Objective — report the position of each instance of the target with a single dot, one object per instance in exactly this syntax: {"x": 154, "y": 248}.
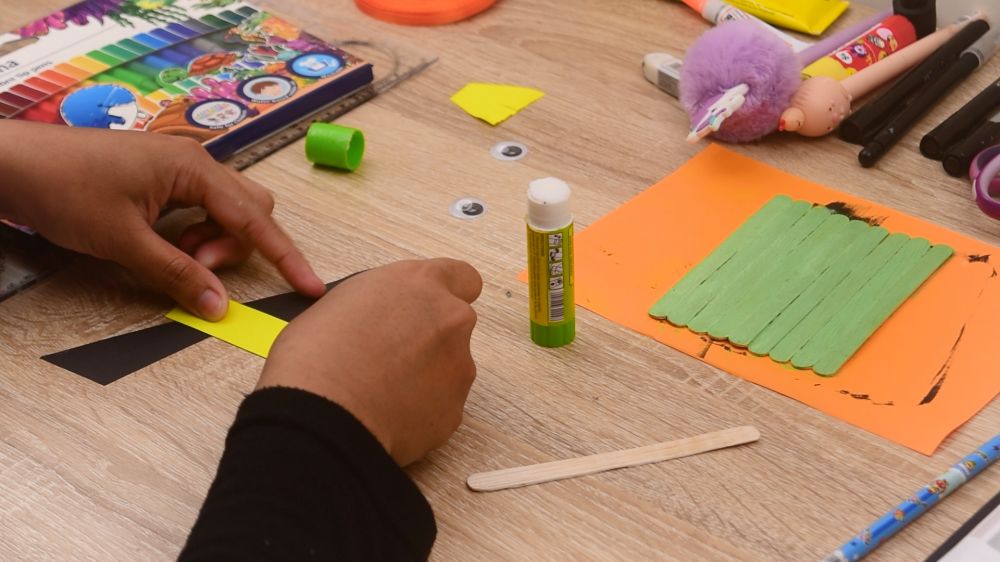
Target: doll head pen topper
{"x": 821, "y": 103}
{"x": 739, "y": 77}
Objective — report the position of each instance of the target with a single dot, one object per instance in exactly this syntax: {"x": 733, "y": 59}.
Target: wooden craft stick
{"x": 580, "y": 466}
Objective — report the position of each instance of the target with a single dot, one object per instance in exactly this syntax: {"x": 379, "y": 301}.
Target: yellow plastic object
{"x": 807, "y": 16}
{"x": 423, "y": 12}
{"x": 243, "y": 327}
{"x": 494, "y": 103}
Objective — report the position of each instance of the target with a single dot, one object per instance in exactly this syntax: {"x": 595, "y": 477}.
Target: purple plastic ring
{"x": 984, "y": 172}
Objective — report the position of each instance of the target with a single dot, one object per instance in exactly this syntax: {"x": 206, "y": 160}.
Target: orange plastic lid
{"x": 423, "y": 12}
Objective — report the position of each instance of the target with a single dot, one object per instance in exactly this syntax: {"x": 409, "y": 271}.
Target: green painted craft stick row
{"x": 801, "y": 284}
{"x": 748, "y": 230}
{"x": 801, "y": 268}
{"x": 731, "y": 291}
{"x": 839, "y": 328}
{"x": 744, "y": 256}
{"x": 818, "y": 317}
{"x": 804, "y": 303}
{"x": 881, "y": 309}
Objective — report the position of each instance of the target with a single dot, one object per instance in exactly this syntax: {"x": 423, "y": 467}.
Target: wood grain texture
{"x": 119, "y": 472}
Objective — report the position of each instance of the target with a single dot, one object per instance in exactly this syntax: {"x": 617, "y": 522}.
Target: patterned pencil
{"x": 915, "y": 506}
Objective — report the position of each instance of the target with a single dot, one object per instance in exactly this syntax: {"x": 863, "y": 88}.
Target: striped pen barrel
{"x": 917, "y": 504}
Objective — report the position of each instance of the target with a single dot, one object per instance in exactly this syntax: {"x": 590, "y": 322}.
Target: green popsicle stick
{"x": 804, "y": 303}
{"x": 882, "y": 308}
{"x": 745, "y": 255}
{"x": 733, "y": 288}
{"x": 747, "y": 231}
{"x": 838, "y": 329}
{"x": 833, "y": 301}
{"x": 816, "y": 254}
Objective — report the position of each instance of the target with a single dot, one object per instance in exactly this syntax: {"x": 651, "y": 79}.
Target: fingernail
{"x": 208, "y": 259}
{"x": 211, "y": 306}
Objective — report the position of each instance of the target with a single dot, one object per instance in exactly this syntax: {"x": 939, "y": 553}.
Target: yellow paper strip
{"x": 243, "y": 327}
{"x": 494, "y": 103}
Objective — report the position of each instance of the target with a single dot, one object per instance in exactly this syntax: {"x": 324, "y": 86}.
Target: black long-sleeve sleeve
{"x": 303, "y": 479}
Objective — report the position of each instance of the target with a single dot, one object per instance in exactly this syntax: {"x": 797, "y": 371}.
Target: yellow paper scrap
{"x": 494, "y": 103}
{"x": 242, "y": 326}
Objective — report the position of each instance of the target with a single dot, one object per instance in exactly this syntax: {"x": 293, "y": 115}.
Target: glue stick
{"x": 550, "y": 263}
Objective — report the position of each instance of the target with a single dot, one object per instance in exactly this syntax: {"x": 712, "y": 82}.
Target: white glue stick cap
{"x": 548, "y": 204}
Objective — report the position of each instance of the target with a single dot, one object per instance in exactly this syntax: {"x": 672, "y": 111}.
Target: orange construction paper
{"x": 925, "y": 372}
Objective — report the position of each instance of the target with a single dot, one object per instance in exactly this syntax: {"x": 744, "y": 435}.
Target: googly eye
{"x": 467, "y": 208}
{"x": 509, "y": 150}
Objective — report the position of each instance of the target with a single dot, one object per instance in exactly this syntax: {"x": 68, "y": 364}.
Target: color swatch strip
{"x": 801, "y": 284}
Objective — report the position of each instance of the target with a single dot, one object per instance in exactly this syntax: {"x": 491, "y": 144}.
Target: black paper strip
{"x": 110, "y": 359}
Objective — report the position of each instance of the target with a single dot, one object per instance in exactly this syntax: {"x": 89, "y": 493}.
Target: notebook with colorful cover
{"x": 219, "y": 71}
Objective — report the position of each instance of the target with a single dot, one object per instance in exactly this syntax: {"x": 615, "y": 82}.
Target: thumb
{"x": 175, "y": 273}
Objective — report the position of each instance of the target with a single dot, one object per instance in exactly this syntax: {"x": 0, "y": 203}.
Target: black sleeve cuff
{"x": 302, "y": 478}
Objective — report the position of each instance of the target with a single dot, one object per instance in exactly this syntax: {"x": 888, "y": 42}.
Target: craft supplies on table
{"x": 551, "y": 277}
{"x": 917, "y": 504}
{"x": 801, "y": 284}
{"x": 601, "y": 462}
{"x": 863, "y": 123}
{"x": 960, "y": 124}
{"x": 918, "y": 377}
{"x": 985, "y": 173}
{"x": 227, "y": 77}
{"x": 335, "y": 146}
{"x": 806, "y": 16}
{"x": 494, "y": 103}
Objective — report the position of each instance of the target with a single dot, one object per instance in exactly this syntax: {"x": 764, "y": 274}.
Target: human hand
{"x": 99, "y": 192}
{"x": 390, "y": 345}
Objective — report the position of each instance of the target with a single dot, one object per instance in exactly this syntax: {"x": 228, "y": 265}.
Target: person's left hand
{"x": 98, "y": 192}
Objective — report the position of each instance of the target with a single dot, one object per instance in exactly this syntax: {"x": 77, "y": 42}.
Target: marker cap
{"x": 335, "y": 146}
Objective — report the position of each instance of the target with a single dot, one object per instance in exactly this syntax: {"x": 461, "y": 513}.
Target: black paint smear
{"x": 110, "y": 359}
{"x": 980, "y": 258}
{"x": 866, "y": 397}
{"x": 724, "y": 344}
{"x": 842, "y": 208}
{"x": 942, "y": 373}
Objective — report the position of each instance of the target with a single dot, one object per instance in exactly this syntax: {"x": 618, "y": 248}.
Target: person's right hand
{"x": 391, "y": 346}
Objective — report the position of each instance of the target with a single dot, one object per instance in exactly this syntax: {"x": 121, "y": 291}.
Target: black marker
{"x": 951, "y": 131}
{"x": 921, "y": 13}
{"x": 957, "y": 160}
{"x": 924, "y": 99}
{"x": 867, "y": 120}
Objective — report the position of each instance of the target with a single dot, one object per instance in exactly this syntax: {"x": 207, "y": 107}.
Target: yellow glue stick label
{"x": 550, "y": 276}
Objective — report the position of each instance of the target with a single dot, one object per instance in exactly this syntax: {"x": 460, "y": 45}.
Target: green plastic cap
{"x": 335, "y": 146}
{"x": 553, "y": 336}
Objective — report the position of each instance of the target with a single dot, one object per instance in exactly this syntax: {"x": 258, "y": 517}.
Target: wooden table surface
{"x": 119, "y": 471}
